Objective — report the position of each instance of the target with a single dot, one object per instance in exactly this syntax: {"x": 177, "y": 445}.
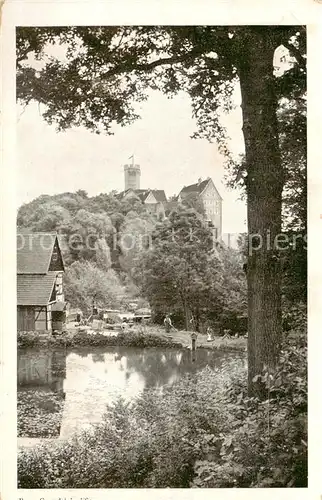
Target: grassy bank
{"x": 184, "y": 339}
{"x": 203, "y": 432}
{"x": 84, "y": 339}
{"x": 153, "y": 336}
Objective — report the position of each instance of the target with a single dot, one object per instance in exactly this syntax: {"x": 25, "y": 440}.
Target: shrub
{"x": 82, "y": 338}
{"x": 28, "y": 339}
{"x": 267, "y": 443}
{"x": 39, "y": 413}
{"x": 129, "y": 339}
{"x": 294, "y": 316}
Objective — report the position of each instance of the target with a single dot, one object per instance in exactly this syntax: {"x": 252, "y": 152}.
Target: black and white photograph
{"x": 161, "y": 246}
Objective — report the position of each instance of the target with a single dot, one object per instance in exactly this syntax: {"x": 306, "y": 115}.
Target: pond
{"x": 62, "y": 392}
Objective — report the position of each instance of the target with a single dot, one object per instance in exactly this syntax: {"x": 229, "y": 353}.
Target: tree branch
{"x": 152, "y": 65}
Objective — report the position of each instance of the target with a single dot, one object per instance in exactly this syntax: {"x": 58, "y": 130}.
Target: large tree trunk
{"x": 264, "y": 196}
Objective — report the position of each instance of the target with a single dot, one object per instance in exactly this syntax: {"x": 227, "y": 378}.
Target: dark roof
{"x": 34, "y": 251}
{"x": 34, "y": 289}
{"x": 195, "y": 188}
{"x": 198, "y": 187}
{"x": 159, "y": 195}
{"x": 137, "y": 192}
{"x": 142, "y": 193}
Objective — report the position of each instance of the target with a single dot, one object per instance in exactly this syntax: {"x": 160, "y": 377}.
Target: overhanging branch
{"x": 126, "y": 67}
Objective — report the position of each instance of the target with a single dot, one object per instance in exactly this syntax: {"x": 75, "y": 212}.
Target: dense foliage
{"x": 86, "y": 223}
{"x": 115, "y": 251}
{"x": 85, "y": 282}
{"x": 202, "y": 432}
{"x": 39, "y": 413}
{"x": 185, "y": 272}
{"x": 93, "y": 234}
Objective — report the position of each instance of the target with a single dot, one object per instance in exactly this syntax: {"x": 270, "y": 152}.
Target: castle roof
{"x": 198, "y": 187}
{"x": 195, "y": 188}
{"x": 159, "y": 194}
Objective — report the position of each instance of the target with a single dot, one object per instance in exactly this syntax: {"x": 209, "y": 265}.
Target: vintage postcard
{"x": 160, "y": 179}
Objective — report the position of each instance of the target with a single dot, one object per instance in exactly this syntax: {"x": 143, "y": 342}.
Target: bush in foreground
{"x": 39, "y": 413}
{"x": 202, "y": 432}
{"x": 266, "y": 445}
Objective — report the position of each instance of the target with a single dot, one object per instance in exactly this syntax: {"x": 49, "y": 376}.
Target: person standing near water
{"x": 210, "y": 334}
{"x": 193, "y": 341}
{"x": 167, "y": 323}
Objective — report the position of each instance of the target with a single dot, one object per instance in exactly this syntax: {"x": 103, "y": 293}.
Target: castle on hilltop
{"x": 157, "y": 203}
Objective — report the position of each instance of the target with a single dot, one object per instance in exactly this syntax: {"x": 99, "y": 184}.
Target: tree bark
{"x": 197, "y": 316}
{"x": 264, "y": 200}
{"x": 185, "y": 310}
{"x": 186, "y": 315}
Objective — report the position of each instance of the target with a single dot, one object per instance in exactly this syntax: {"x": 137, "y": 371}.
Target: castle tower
{"x": 132, "y": 174}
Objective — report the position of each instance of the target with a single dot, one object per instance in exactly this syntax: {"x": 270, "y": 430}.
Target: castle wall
{"x": 213, "y": 206}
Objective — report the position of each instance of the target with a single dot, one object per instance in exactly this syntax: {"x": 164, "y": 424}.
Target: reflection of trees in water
{"x": 98, "y": 357}
{"x": 40, "y": 368}
{"x": 59, "y": 364}
{"x": 159, "y": 367}
{"x": 40, "y": 397}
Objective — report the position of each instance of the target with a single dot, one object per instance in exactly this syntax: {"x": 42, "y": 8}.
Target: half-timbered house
{"x": 40, "y": 267}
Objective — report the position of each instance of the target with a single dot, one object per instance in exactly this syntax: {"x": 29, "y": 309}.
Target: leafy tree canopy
{"x": 102, "y": 71}
{"x": 84, "y": 282}
{"x": 183, "y": 271}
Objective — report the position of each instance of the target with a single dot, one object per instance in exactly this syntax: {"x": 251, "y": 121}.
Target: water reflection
{"x": 41, "y": 376}
{"x": 89, "y": 379}
{"x": 41, "y": 369}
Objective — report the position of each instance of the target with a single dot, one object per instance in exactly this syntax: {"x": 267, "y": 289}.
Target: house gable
{"x": 34, "y": 252}
{"x": 199, "y": 189}
{"x": 193, "y": 188}
{"x": 150, "y": 198}
{"x": 56, "y": 260}
{"x": 210, "y": 190}
{"x": 159, "y": 195}
{"x": 130, "y": 193}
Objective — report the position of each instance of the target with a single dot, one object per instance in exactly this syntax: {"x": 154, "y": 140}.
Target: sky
{"x": 51, "y": 162}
